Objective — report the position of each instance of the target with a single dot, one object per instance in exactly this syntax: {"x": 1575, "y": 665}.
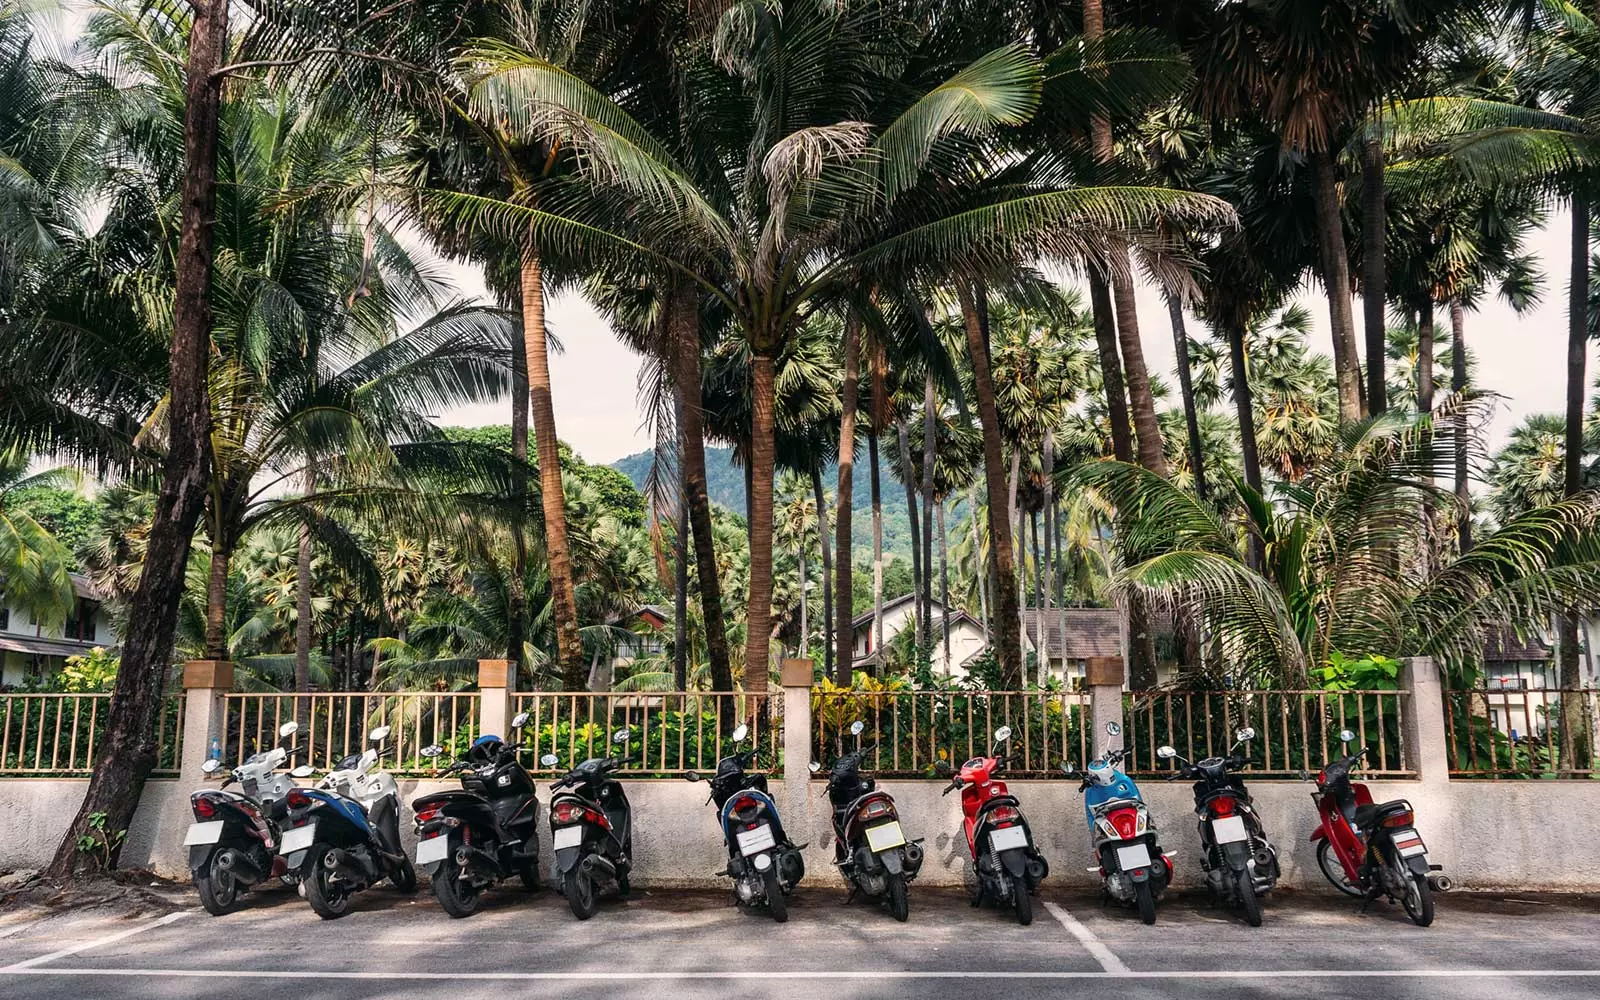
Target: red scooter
{"x": 1008, "y": 866}
{"x": 1370, "y": 850}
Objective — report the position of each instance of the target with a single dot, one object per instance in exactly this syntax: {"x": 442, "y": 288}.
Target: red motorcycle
{"x": 1008, "y": 865}
{"x": 1370, "y": 850}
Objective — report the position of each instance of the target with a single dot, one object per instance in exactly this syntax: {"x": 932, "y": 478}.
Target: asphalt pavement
{"x": 697, "y": 944}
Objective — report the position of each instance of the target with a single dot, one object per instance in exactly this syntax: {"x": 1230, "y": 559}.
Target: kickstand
{"x": 852, "y": 897}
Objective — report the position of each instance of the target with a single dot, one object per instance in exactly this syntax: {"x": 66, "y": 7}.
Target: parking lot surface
{"x": 697, "y": 944}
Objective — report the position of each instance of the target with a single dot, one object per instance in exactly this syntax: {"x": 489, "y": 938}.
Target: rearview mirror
{"x": 740, "y": 733}
{"x": 1067, "y": 767}
{"x": 288, "y": 729}
{"x": 856, "y": 727}
{"x": 379, "y": 735}
{"x": 211, "y": 765}
{"x": 1166, "y": 753}
{"x": 431, "y": 751}
{"x": 815, "y": 767}
{"x": 691, "y": 776}
{"x": 1002, "y": 734}
{"x": 1113, "y": 729}
{"x": 303, "y": 771}
{"x": 519, "y": 720}
{"x": 1345, "y": 736}
{"x": 620, "y": 736}
{"x": 549, "y": 760}
{"x": 942, "y": 768}
{"x": 1245, "y": 735}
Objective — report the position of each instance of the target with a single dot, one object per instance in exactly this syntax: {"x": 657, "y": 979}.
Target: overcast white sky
{"x": 1522, "y": 358}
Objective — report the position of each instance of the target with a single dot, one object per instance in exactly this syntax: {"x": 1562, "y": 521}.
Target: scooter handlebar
{"x": 955, "y": 783}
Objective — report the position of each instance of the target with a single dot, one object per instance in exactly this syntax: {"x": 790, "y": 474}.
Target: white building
{"x": 967, "y": 637}
{"x": 28, "y": 649}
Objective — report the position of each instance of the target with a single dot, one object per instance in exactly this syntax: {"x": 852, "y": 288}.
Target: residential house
{"x": 1070, "y": 637}
{"x": 1518, "y": 673}
{"x": 30, "y": 650}
{"x": 967, "y": 637}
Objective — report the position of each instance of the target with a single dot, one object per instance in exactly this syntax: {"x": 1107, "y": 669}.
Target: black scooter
{"x": 487, "y": 832}
{"x": 764, "y": 865}
{"x": 591, "y": 829}
{"x": 870, "y": 847}
{"x": 1239, "y": 862}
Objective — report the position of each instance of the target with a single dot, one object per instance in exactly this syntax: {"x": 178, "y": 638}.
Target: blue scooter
{"x": 1130, "y": 860}
{"x": 764, "y": 865}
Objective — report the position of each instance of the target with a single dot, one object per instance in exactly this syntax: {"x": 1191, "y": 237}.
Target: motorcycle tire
{"x": 456, "y": 897}
{"x": 1333, "y": 871}
{"x": 1418, "y": 899}
{"x": 1245, "y": 887}
{"x": 775, "y": 898}
{"x": 219, "y": 890}
{"x": 404, "y": 877}
{"x": 624, "y": 887}
{"x": 1022, "y": 902}
{"x": 579, "y": 890}
{"x": 1146, "y": 900}
{"x": 327, "y": 900}
{"x": 899, "y": 904}
{"x": 528, "y": 871}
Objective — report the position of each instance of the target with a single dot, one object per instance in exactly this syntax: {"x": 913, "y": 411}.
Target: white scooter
{"x": 234, "y": 837}
{"x": 344, "y": 835}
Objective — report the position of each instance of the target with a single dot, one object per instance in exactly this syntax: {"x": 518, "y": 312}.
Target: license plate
{"x": 298, "y": 839}
{"x": 1133, "y": 857}
{"x": 203, "y": 833}
{"x": 885, "y": 836}
{"x": 433, "y": 849}
{"x": 567, "y": 836}
{"x": 757, "y": 840}
{"x": 1229, "y": 830}
{"x": 1408, "y": 843}
{"x": 1008, "y": 839}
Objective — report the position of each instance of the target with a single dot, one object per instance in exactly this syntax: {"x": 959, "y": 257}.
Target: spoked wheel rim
{"x": 1417, "y": 898}
{"x": 1333, "y": 871}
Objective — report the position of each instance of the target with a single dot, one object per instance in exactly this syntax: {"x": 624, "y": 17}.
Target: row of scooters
{"x": 342, "y": 835}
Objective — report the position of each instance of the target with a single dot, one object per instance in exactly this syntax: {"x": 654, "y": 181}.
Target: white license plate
{"x": 757, "y": 840}
{"x": 885, "y": 836}
{"x": 1408, "y": 843}
{"x": 298, "y": 839}
{"x": 433, "y": 849}
{"x": 203, "y": 833}
{"x": 1133, "y": 857}
{"x": 567, "y": 836}
{"x": 1229, "y": 830}
{"x": 1007, "y": 839}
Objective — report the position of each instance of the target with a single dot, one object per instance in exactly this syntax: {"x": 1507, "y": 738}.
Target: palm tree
{"x": 34, "y": 564}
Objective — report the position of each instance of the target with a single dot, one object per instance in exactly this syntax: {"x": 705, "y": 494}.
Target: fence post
{"x": 497, "y": 686}
{"x": 205, "y": 713}
{"x": 796, "y": 678}
{"x": 1103, "y": 677}
{"x": 1427, "y": 747}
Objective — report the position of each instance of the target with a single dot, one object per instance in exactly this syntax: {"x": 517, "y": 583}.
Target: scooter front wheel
{"x": 1245, "y": 887}
{"x": 1333, "y": 871}
{"x": 1146, "y": 900}
{"x": 579, "y": 890}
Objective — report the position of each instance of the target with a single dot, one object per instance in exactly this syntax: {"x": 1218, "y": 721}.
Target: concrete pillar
{"x": 205, "y": 714}
{"x": 1422, "y": 725}
{"x": 1103, "y": 677}
{"x": 796, "y": 676}
{"x": 497, "y": 687}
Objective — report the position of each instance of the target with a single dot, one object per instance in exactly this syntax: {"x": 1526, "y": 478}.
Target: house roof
{"x": 865, "y": 617}
{"x": 660, "y": 612}
{"x": 44, "y": 647}
{"x": 1076, "y": 633}
{"x": 1505, "y": 646}
{"x": 85, "y": 587}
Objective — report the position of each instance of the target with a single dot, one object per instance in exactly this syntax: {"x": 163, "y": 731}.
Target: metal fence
{"x": 56, "y": 735}
{"x": 916, "y": 729}
{"x": 335, "y": 725}
{"x": 669, "y": 732}
{"x": 1522, "y": 733}
{"x": 1296, "y": 731}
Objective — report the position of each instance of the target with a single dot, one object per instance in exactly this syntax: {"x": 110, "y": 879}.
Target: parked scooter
{"x": 1131, "y": 862}
{"x": 483, "y": 834}
{"x": 344, "y": 835}
{"x": 1370, "y": 850}
{"x": 764, "y": 864}
{"x": 1008, "y": 865}
{"x": 591, "y": 829}
{"x": 1240, "y": 863}
{"x": 232, "y": 842}
{"x": 869, "y": 845}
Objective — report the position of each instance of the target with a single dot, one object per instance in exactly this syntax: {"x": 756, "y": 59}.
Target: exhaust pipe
{"x": 238, "y": 865}
{"x": 1440, "y": 882}
{"x": 343, "y": 866}
{"x": 476, "y": 861}
{"x": 600, "y": 861}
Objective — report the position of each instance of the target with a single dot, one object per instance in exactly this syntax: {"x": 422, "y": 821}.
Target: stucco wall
{"x": 1525, "y": 835}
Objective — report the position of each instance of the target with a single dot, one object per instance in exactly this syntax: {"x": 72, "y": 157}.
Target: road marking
{"x": 613, "y": 976}
{"x": 1093, "y": 945}
{"x": 28, "y": 964}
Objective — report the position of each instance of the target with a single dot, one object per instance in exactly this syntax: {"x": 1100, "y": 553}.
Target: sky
{"x": 1522, "y": 358}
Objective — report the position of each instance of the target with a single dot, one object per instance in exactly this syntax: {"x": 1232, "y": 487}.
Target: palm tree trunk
{"x": 877, "y": 544}
{"x": 1336, "y": 279}
{"x": 1374, "y": 276}
{"x": 1191, "y": 416}
{"x": 558, "y": 553}
{"x": 758, "y": 656}
{"x": 1105, "y": 339}
{"x": 1244, "y": 408}
{"x": 1018, "y": 580}
{"x": 1572, "y": 714}
{"x": 302, "y": 599}
{"x": 1049, "y": 459}
{"x": 844, "y": 597}
{"x": 827, "y": 570}
{"x": 944, "y": 583}
{"x": 805, "y": 607}
{"x": 1458, "y": 385}
{"x": 517, "y": 588}
{"x": 1038, "y": 596}
{"x": 128, "y": 751}
{"x": 680, "y": 591}
{"x": 980, "y": 558}
{"x": 692, "y": 455}
{"x": 908, "y": 479}
{"x": 930, "y": 439}
{"x": 1425, "y": 337}
{"x": 1141, "y": 398}
{"x": 1009, "y": 638}
{"x": 217, "y": 598}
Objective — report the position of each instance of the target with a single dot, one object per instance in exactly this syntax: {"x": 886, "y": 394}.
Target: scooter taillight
{"x": 1004, "y": 814}
{"x": 426, "y": 815}
{"x": 1399, "y": 819}
{"x": 1223, "y": 805}
{"x": 563, "y": 813}
{"x": 204, "y": 808}
{"x": 1125, "y": 822}
{"x": 875, "y": 809}
{"x": 296, "y": 799}
{"x": 745, "y": 808}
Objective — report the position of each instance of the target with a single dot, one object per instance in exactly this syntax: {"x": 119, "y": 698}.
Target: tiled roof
{"x": 1077, "y": 633}
{"x": 1505, "y": 645}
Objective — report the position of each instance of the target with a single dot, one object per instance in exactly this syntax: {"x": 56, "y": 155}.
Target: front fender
{"x": 892, "y": 861}
{"x": 567, "y": 859}
{"x": 1237, "y": 855}
{"x": 1015, "y": 862}
{"x": 1320, "y": 833}
{"x": 200, "y": 856}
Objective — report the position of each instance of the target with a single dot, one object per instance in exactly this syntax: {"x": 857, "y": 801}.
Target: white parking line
{"x": 28, "y": 964}
{"x": 613, "y": 976}
{"x": 1093, "y": 945}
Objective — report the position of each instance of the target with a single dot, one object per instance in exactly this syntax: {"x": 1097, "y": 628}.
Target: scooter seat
{"x": 1367, "y": 816}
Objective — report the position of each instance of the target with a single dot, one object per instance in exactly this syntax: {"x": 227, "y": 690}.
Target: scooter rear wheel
{"x": 899, "y": 904}
{"x": 219, "y": 890}
{"x": 456, "y": 897}
{"x": 579, "y": 890}
{"x": 1418, "y": 899}
{"x": 1245, "y": 887}
{"x": 1333, "y": 871}
{"x": 775, "y": 898}
{"x": 327, "y": 900}
{"x": 1146, "y": 900}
